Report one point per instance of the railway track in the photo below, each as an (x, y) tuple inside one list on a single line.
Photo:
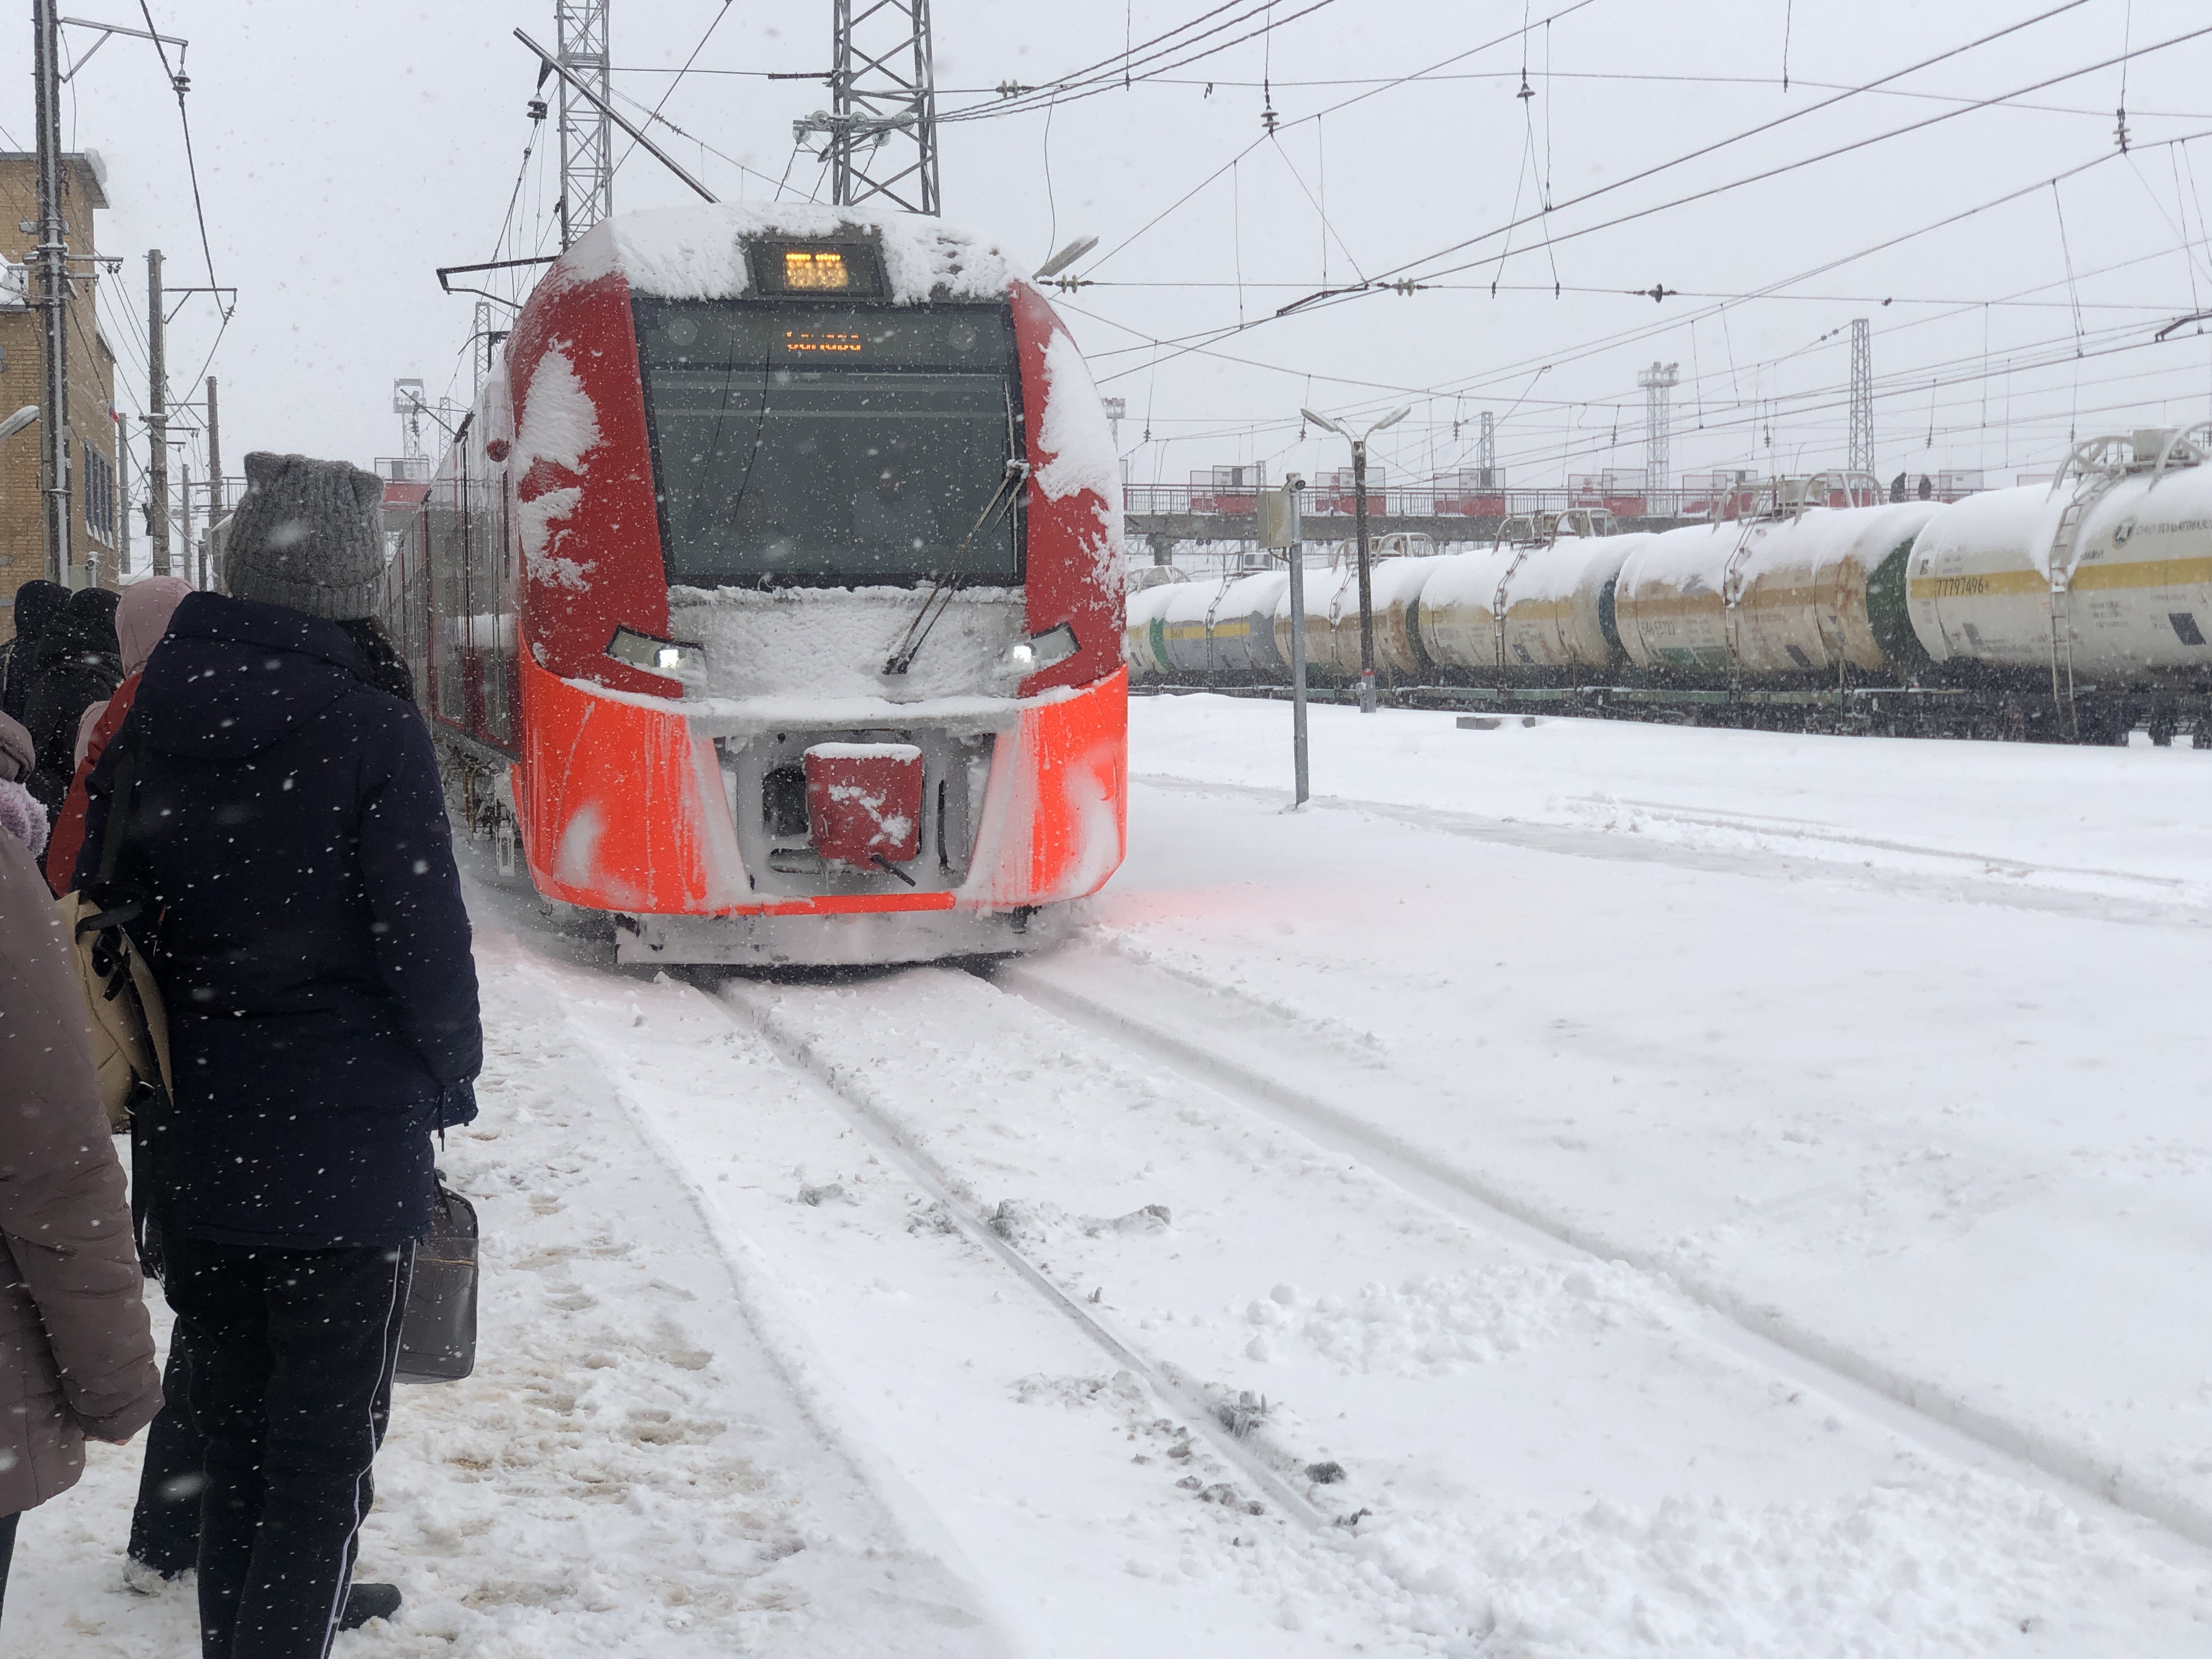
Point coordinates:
[(1775, 850), (1164, 1032), (966, 1344), (1227, 1424)]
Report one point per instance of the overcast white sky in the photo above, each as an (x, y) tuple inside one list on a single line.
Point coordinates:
[(346, 148)]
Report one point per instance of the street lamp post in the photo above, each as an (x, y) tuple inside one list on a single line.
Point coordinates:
[(1358, 441)]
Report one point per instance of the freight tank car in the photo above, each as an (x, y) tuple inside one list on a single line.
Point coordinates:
[(768, 597), (2077, 611), (1539, 604), (2104, 577), (1790, 591)]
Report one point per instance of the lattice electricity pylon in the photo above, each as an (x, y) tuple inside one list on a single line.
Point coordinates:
[(587, 159), (1861, 458), (1658, 381), (1486, 451), (880, 138)]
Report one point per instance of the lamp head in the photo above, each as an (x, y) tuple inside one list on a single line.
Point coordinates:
[(1323, 422)]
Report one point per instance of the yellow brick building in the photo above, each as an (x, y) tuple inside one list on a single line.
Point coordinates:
[(96, 505)]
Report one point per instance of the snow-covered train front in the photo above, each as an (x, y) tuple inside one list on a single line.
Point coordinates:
[(768, 597)]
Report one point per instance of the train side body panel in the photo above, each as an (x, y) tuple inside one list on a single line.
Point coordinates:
[(1459, 627), (1244, 625), (1778, 596), (1329, 594), (2139, 600), (1146, 608), (1394, 587), (1667, 605), (1559, 601)]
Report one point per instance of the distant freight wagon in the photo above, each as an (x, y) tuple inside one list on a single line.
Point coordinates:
[(2075, 610)]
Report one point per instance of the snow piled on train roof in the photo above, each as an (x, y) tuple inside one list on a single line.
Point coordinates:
[(698, 252)]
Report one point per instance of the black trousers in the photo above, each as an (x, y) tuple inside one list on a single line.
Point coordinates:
[(291, 1354), (165, 1526)]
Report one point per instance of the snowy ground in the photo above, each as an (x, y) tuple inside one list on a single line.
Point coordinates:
[(1708, 1193)]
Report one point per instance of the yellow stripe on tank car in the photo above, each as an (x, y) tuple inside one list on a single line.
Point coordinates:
[(1672, 604), (2143, 573), (2089, 578), (1228, 630)]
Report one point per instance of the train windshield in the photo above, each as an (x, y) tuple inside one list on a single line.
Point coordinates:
[(830, 445)]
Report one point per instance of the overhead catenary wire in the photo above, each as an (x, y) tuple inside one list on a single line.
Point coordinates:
[(1119, 71), (192, 165), (1766, 173), (1316, 117), (1372, 284), (1071, 94), (1377, 284), (669, 91), (2010, 365)]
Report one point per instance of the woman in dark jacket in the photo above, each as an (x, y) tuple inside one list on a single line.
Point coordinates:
[(37, 602), (287, 835), (80, 664), (76, 1353)]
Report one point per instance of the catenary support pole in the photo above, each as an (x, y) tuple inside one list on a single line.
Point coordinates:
[(1298, 767), (1282, 530), (184, 507), (157, 419), (1366, 586), (123, 493), (53, 257), (215, 502)]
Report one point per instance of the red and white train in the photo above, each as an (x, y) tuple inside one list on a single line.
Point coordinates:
[(768, 598)]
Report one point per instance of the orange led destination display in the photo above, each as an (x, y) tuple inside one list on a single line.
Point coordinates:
[(810, 341), (815, 268)]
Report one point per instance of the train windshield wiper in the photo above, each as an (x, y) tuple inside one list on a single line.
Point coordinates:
[(947, 582)]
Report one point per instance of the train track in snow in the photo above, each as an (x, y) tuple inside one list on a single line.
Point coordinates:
[(1781, 851), (1165, 1033), (1229, 1426)]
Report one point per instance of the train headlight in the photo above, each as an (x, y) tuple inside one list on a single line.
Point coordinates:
[(1038, 652), (678, 659)]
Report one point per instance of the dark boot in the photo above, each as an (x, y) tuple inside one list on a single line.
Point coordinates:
[(367, 1601)]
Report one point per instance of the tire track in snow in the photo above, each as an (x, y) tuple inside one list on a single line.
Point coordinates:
[(1570, 841), (1938, 1418)]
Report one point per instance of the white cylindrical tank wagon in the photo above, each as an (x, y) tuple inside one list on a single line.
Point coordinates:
[(2119, 547), (1795, 590)]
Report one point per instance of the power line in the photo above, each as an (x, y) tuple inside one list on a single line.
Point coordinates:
[(1093, 87), (1208, 337), (1642, 335), (669, 90), (1790, 166), (191, 167), (720, 156), (1126, 57)]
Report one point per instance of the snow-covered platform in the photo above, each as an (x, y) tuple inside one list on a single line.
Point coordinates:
[(1706, 1193)]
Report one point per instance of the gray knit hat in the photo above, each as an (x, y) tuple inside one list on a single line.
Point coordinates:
[(308, 534)]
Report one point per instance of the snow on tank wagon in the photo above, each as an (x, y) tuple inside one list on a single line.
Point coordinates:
[(760, 498), (2074, 612)]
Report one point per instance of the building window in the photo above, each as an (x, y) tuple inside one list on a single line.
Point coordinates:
[(98, 494)]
